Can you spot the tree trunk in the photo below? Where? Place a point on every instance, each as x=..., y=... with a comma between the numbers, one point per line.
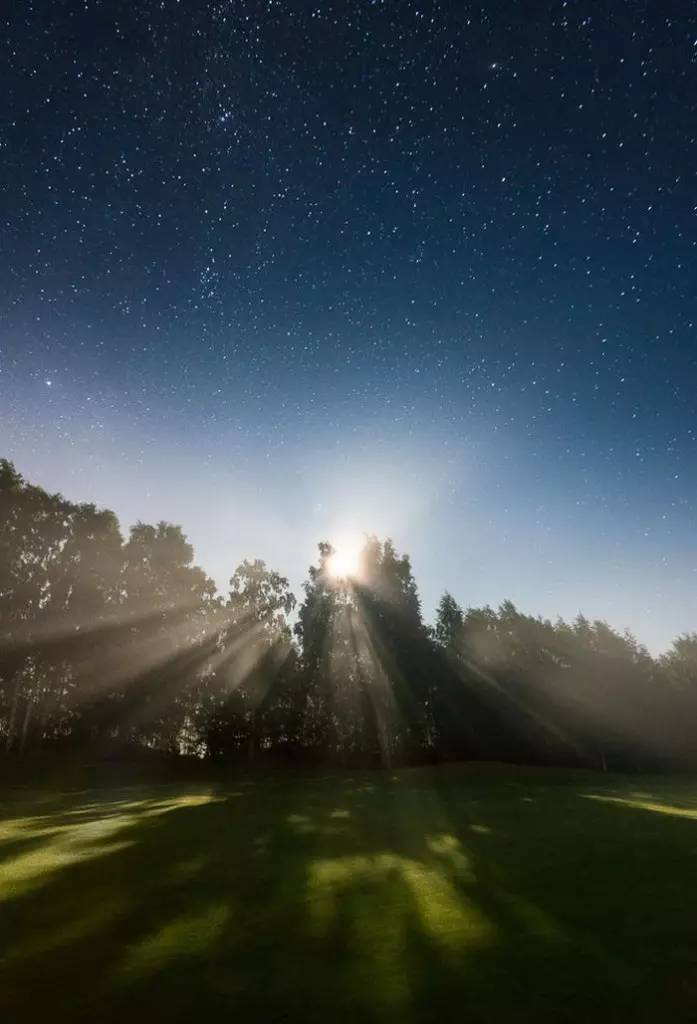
x=252, y=736
x=385, y=752
x=43, y=722
x=13, y=716
x=25, y=723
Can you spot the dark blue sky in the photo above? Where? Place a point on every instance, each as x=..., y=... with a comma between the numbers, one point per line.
x=286, y=270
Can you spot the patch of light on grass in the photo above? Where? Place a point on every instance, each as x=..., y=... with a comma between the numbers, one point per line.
x=31, y=869
x=535, y=921
x=187, y=936
x=643, y=805
x=448, y=847
x=301, y=823
x=82, y=927
x=28, y=828
x=374, y=928
x=334, y=873
x=340, y=814
x=75, y=841
x=188, y=869
x=447, y=916
x=175, y=803
x=443, y=843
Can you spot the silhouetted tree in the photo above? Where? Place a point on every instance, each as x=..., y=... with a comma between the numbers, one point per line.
x=116, y=645
x=255, y=648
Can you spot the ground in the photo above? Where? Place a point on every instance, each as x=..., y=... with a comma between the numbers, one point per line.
x=453, y=894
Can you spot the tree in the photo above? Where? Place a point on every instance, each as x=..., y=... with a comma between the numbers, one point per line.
x=121, y=645
x=255, y=648
x=680, y=662
x=450, y=620
x=401, y=657
x=329, y=661
x=34, y=529
x=169, y=608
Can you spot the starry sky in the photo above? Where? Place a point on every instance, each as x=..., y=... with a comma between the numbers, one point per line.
x=285, y=270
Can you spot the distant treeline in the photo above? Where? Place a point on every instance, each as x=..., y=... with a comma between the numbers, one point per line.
x=110, y=646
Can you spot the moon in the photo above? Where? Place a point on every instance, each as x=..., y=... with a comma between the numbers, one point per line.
x=345, y=560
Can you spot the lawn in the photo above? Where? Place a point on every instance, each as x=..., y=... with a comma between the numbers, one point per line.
x=447, y=894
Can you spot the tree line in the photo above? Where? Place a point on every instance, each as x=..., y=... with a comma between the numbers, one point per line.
x=114, y=645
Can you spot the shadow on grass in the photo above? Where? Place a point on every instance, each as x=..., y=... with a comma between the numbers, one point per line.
x=423, y=896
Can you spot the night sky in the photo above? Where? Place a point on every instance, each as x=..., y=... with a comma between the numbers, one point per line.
x=282, y=271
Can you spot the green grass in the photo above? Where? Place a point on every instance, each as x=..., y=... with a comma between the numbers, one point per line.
x=450, y=895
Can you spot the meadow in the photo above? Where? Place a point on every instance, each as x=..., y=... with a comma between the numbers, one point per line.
x=449, y=894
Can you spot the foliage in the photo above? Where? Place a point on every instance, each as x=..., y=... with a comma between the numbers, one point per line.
x=115, y=644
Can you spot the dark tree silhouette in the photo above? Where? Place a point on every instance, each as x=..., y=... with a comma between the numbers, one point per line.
x=118, y=645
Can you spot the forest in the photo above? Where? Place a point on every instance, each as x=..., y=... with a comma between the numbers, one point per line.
x=118, y=646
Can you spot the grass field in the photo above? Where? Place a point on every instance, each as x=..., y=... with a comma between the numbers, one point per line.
x=447, y=894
